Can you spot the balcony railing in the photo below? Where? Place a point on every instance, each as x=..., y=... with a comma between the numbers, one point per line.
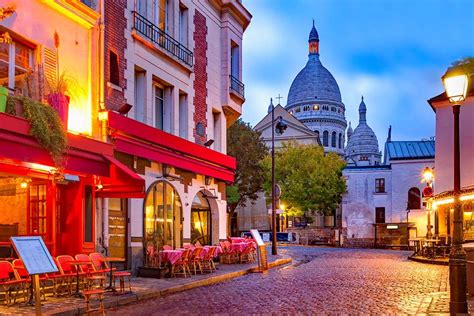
x=160, y=38
x=237, y=86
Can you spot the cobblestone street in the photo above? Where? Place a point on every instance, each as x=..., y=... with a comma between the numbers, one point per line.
x=321, y=280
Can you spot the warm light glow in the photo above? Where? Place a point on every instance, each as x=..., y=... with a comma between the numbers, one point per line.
x=282, y=207
x=197, y=225
x=79, y=120
x=456, y=87
x=467, y=197
x=428, y=175
x=23, y=184
x=103, y=115
x=392, y=226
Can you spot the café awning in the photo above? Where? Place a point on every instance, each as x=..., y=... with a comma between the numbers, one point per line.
x=122, y=183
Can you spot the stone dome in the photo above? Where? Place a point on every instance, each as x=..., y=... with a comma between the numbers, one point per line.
x=314, y=82
x=362, y=144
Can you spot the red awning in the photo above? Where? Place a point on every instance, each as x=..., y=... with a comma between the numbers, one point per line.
x=122, y=183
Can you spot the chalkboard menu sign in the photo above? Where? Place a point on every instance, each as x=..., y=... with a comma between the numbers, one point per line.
x=34, y=254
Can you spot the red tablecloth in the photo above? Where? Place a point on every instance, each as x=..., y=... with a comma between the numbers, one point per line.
x=170, y=256
x=238, y=239
x=205, y=250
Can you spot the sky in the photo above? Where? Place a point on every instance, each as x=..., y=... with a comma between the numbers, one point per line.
x=393, y=52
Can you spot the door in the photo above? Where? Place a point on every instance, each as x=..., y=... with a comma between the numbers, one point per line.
x=118, y=215
x=380, y=214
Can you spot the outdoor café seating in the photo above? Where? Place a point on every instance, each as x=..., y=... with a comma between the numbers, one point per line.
x=430, y=248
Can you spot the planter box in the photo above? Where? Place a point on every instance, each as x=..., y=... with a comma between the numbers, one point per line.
x=151, y=272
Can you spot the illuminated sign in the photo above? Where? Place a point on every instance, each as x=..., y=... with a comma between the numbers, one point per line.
x=392, y=226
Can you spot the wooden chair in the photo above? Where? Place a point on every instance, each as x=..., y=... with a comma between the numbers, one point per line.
x=11, y=285
x=247, y=255
x=99, y=263
x=93, y=277
x=88, y=295
x=121, y=275
x=195, y=259
x=208, y=260
x=69, y=271
x=182, y=265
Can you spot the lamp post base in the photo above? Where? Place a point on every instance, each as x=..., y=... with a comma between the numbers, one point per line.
x=457, y=280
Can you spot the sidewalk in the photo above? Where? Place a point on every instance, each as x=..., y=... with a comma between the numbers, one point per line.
x=144, y=288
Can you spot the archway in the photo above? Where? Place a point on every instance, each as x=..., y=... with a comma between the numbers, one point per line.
x=163, y=215
x=204, y=219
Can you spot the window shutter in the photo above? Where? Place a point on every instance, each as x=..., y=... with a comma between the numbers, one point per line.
x=50, y=65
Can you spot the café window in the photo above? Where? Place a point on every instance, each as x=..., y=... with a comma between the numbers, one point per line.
x=16, y=61
x=380, y=185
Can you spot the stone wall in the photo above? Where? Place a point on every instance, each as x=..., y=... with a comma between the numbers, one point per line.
x=319, y=235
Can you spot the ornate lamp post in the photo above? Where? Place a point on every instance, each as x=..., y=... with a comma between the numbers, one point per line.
x=428, y=192
x=455, y=82
x=279, y=129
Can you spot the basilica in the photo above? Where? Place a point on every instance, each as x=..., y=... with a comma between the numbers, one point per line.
x=380, y=193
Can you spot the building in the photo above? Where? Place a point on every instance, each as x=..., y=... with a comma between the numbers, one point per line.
x=173, y=73
x=315, y=100
x=383, y=204
x=442, y=200
x=53, y=198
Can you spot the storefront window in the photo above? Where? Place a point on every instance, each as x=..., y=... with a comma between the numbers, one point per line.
x=163, y=215
x=201, y=220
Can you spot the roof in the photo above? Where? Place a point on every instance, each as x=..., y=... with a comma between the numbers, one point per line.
x=406, y=150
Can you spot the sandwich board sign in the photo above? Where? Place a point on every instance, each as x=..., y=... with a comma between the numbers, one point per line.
x=261, y=251
x=36, y=260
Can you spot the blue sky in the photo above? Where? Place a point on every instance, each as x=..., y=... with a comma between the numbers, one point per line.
x=391, y=51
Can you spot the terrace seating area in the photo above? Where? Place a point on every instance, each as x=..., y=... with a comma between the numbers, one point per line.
x=435, y=248
x=88, y=276
x=197, y=259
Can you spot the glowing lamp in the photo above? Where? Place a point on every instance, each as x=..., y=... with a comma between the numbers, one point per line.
x=23, y=184
x=428, y=175
x=455, y=82
x=103, y=115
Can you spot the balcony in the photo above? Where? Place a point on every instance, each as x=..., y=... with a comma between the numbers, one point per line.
x=159, y=37
x=237, y=86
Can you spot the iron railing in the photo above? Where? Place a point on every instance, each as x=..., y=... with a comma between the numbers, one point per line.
x=237, y=86
x=160, y=38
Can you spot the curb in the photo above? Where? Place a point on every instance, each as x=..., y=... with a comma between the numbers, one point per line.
x=428, y=261
x=112, y=302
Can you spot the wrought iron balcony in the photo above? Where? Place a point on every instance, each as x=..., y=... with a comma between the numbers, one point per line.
x=237, y=86
x=159, y=37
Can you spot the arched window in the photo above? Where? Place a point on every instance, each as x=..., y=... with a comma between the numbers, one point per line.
x=340, y=140
x=201, y=221
x=414, y=199
x=333, y=139
x=316, y=132
x=163, y=213
x=326, y=138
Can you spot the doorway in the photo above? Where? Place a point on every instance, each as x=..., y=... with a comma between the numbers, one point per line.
x=201, y=220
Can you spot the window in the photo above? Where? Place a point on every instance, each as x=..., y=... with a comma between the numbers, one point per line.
x=315, y=107
x=161, y=14
x=16, y=61
x=333, y=139
x=183, y=25
x=114, y=76
x=297, y=110
x=380, y=214
x=340, y=140
x=380, y=185
x=163, y=214
x=317, y=133
x=88, y=214
x=234, y=61
x=325, y=108
x=140, y=95
x=326, y=138
x=217, y=131
x=333, y=109
x=183, y=116
x=414, y=199
x=158, y=106
x=363, y=158
x=141, y=7
x=306, y=108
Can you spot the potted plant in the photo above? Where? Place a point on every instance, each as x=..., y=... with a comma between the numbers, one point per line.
x=57, y=97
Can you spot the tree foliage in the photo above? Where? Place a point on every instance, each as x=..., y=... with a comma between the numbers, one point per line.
x=246, y=146
x=310, y=180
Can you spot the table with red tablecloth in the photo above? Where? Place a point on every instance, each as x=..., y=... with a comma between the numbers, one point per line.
x=171, y=256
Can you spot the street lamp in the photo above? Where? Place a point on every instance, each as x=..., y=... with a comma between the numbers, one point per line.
x=427, y=193
x=455, y=82
x=279, y=129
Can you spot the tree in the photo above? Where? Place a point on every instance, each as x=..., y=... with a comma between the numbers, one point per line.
x=310, y=180
x=246, y=146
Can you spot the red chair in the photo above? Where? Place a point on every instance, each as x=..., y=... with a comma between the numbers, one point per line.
x=11, y=283
x=99, y=263
x=92, y=275
x=182, y=265
x=208, y=260
x=195, y=259
x=68, y=271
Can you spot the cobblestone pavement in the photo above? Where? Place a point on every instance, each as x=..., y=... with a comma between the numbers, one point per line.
x=321, y=280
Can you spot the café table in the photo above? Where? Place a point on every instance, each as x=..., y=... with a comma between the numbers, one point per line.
x=171, y=256
x=111, y=260
x=239, y=246
x=77, y=264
